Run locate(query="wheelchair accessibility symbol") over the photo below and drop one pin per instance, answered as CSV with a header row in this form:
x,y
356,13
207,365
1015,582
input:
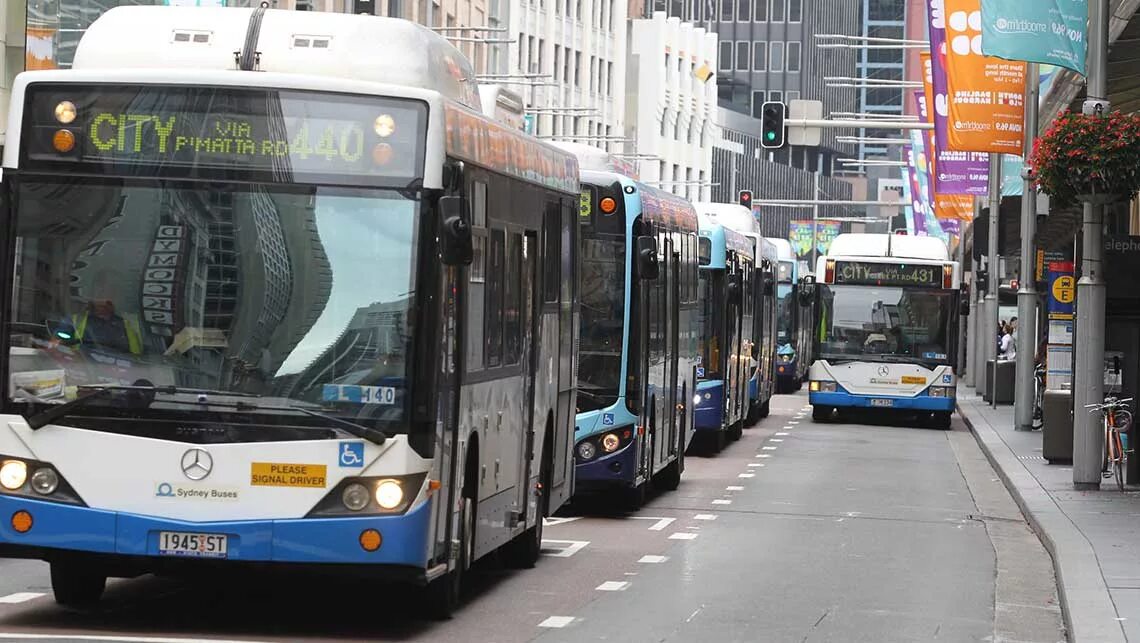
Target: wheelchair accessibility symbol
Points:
x,y
352,454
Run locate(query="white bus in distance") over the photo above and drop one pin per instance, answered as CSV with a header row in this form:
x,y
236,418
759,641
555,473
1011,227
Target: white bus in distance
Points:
x,y
302,306
886,327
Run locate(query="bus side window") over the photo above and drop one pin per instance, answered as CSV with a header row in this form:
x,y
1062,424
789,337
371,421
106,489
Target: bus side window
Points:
x,y
477,291
493,330
512,329
551,253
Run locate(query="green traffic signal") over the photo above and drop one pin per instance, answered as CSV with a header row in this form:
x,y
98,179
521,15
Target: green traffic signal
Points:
x,y
771,136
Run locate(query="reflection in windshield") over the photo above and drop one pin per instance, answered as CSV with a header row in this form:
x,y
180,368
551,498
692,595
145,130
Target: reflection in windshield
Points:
x,y
784,315
877,323
299,294
603,313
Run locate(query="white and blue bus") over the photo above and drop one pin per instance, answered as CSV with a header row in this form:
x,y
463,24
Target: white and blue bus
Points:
x,y
793,321
727,301
637,342
887,324
289,307
760,314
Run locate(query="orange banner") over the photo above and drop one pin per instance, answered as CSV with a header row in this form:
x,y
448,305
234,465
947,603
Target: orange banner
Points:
x,y
954,206
985,95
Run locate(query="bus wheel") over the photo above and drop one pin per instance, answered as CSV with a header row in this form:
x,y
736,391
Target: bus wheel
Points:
x,y
736,431
670,478
941,420
634,497
524,550
766,408
753,413
76,585
821,413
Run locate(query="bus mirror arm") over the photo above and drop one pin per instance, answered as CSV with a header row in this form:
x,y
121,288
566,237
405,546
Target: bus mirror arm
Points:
x,y
647,268
455,248
769,285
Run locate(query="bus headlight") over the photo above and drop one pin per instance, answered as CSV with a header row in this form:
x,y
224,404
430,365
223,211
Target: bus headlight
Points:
x,y
587,450
941,391
13,474
45,481
355,497
610,442
823,386
389,494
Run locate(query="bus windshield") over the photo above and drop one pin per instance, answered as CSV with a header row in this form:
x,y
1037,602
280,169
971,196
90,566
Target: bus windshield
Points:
x,y
300,294
603,272
784,304
872,323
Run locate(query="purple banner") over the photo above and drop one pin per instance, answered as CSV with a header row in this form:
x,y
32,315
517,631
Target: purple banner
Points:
x,y
951,226
927,146
918,211
957,172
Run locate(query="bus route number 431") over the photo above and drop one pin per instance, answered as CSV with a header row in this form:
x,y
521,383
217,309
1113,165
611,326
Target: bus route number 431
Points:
x,y
177,543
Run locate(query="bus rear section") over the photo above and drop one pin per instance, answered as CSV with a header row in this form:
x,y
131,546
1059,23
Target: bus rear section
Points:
x,y
639,262
887,327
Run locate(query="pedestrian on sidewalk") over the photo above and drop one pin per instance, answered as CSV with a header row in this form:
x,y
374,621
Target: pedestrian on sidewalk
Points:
x,y
1008,345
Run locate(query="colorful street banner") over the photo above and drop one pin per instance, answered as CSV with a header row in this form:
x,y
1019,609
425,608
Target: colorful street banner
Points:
x,y
799,233
927,159
908,201
1051,32
954,206
985,95
952,227
917,202
954,172
39,49
926,207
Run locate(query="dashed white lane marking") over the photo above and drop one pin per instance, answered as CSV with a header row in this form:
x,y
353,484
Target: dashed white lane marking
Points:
x,y
753,465
568,547
720,501
746,475
660,525
782,433
776,440
652,560
23,636
793,422
763,455
704,517
734,488
557,621
769,448
682,535
612,586
550,522
19,597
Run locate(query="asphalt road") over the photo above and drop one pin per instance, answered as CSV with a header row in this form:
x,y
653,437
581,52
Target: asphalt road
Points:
x,y
798,532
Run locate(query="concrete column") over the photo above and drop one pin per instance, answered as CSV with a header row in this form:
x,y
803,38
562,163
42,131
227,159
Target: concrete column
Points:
x,y
1023,397
1088,365
990,321
972,356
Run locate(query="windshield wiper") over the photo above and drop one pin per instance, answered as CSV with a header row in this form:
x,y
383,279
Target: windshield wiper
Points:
x,y
375,436
43,418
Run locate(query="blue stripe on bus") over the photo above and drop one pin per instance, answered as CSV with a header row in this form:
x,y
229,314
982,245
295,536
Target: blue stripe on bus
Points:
x,y
841,399
307,540
709,414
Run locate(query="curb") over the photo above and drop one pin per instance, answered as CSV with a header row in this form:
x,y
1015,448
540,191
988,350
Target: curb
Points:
x,y
1086,605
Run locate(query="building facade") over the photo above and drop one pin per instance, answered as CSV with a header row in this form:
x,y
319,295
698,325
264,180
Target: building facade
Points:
x,y
671,104
569,64
882,19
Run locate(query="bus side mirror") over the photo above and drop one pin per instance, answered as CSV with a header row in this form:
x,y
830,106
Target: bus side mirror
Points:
x,y
647,258
454,232
734,292
769,285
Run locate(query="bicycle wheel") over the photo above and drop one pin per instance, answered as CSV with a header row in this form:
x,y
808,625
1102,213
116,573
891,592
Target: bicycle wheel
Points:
x,y
1107,453
1118,461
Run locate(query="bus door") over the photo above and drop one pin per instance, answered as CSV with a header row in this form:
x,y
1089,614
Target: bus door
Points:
x,y
640,327
528,326
731,338
567,344
676,443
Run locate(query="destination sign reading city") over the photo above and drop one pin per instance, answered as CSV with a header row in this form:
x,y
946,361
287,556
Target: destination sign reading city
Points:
x,y
885,274
287,135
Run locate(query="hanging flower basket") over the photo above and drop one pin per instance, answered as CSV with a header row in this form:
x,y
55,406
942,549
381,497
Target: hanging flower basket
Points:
x,y
1091,159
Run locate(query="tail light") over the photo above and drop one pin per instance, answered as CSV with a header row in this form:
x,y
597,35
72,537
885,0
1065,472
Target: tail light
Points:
x,y
948,276
829,272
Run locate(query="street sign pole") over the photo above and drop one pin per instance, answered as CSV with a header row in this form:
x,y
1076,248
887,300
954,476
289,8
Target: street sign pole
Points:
x,y
1024,398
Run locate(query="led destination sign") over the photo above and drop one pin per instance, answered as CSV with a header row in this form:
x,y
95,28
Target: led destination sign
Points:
x,y
281,135
887,274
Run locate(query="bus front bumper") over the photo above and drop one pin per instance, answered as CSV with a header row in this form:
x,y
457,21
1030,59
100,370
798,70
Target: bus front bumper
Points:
x,y
617,468
59,528
708,415
843,399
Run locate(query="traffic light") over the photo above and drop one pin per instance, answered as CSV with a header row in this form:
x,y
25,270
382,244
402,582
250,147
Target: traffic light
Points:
x,y
772,132
746,198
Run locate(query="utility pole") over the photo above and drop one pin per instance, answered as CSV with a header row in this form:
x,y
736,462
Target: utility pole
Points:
x,y
1088,371
974,321
815,215
991,319
1023,397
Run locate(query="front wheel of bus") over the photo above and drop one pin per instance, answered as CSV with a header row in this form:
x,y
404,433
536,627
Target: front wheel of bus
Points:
x,y
941,420
443,593
75,585
821,413
524,550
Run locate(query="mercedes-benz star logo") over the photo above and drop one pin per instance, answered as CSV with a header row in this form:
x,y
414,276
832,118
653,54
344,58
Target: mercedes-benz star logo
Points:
x,y
883,372
197,463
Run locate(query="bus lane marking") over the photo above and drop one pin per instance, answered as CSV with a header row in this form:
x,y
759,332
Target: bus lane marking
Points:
x,y
19,597
721,502
652,560
683,535
568,549
781,433
550,522
746,475
770,448
660,525
737,488
776,440
753,465
704,517
613,586
557,621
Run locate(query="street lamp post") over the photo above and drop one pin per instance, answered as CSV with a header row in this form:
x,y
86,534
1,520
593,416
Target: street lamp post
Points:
x,y
1023,399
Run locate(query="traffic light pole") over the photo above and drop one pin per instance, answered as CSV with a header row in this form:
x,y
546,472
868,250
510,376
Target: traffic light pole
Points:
x,y
857,124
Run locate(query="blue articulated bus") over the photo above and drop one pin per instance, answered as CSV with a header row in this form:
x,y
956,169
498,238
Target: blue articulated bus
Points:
x,y
638,347
727,270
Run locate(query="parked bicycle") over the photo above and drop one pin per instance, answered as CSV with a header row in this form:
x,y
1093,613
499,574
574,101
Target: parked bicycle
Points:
x,y
1116,417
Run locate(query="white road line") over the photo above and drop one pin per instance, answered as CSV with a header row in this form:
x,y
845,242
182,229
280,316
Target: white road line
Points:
x,y
550,522
660,525
720,501
763,455
793,422
557,621
682,535
734,488
704,517
19,597
612,586
571,547
652,560
746,475
755,464
776,440
770,448
781,433
23,636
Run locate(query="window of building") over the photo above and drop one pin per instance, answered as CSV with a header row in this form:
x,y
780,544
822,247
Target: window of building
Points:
x,y
884,10
884,96
795,10
725,55
610,79
726,10
593,74
761,11
758,98
778,13
557,62
793,95
759,56
885,31
775,96
743,53
744,10
776,57
577,69
793,56
885,56
541,48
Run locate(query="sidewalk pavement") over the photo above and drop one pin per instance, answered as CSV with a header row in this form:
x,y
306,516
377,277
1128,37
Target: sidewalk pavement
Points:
x,y
1093,536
